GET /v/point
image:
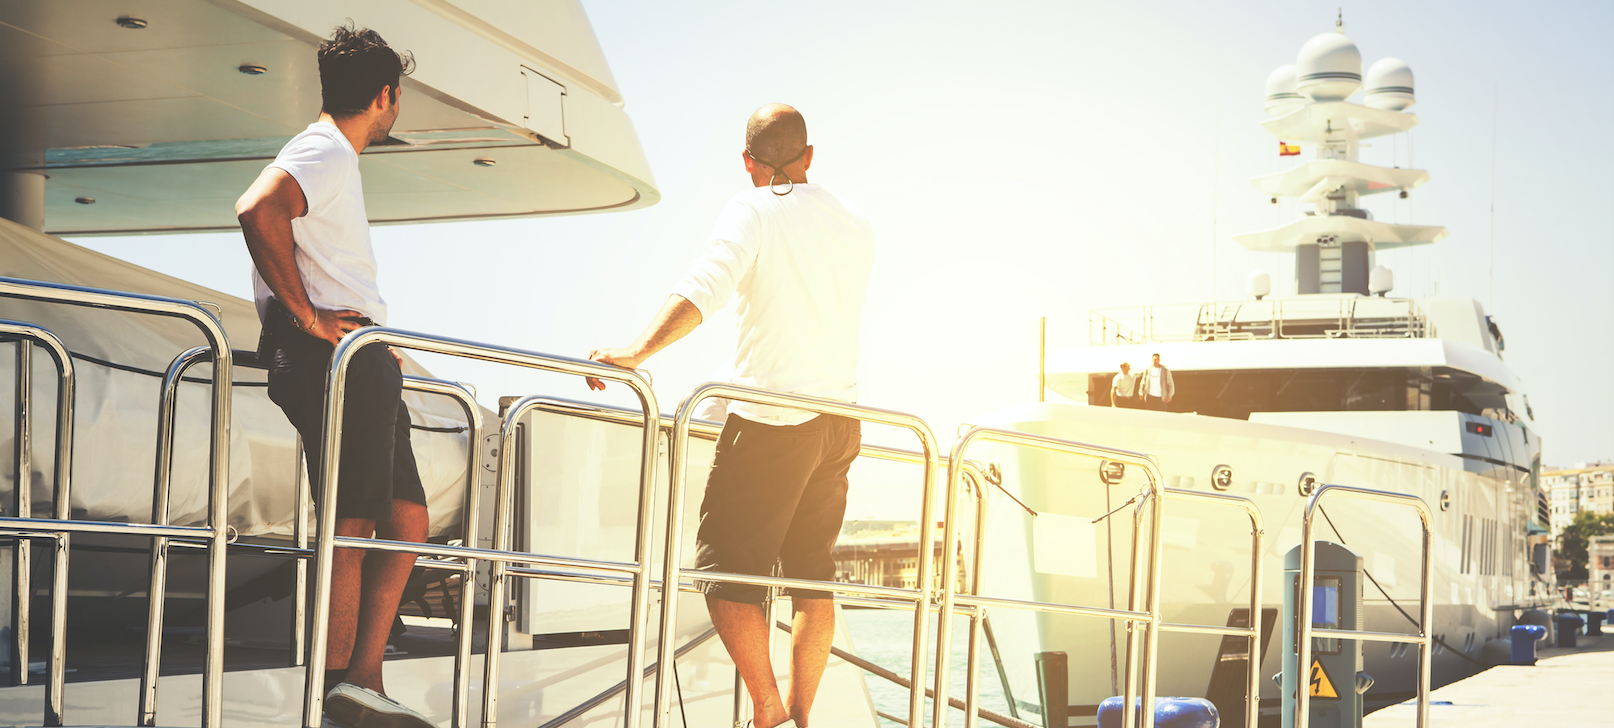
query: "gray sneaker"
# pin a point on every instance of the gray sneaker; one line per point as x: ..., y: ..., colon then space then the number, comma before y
x: 354, y: 707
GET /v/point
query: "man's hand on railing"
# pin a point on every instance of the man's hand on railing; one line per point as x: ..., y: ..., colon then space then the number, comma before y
x: 615, y: 357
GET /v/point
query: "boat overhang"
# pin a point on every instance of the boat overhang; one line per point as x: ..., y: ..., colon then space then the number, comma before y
x: 512, y: 111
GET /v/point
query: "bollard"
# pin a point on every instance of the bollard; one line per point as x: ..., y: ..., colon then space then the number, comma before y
x: 1525, y: 637
x: 1168, y: 713
x: 1569, y: 624
x: 1594, y: 623
x: 1537, y: 616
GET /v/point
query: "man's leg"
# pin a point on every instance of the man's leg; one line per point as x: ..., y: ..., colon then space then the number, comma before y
x: 807, y: 553
x: 744, y: 631
x: 346, y: 579
x: 376, y: 605
x: 811, y: 634
x: 757, y: 477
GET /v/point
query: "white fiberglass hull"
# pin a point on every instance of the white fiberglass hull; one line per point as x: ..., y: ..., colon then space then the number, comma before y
x: 1206, y: 563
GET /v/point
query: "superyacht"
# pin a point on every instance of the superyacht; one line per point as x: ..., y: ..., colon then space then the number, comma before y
x: 1341, y: 382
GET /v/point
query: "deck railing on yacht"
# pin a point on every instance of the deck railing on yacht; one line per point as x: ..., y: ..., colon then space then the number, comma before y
x: 214, y: 533
x: 1343, y: 317
x: 1306, y: 630
x: 504, y: 562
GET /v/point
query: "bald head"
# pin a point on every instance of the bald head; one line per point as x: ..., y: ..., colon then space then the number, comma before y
x: 775, y: 134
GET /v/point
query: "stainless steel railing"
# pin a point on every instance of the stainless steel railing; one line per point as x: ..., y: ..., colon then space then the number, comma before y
x: 219, y: 467
x: 886, y: 597
x: 27, y: 336
x: 500, y: 557
x: 1252, y: 633
x: 1308, y: 576
x: 1144, y: 581
x: 157, y: 592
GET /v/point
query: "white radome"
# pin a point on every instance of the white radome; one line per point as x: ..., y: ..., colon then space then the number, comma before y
x: 1329, y: 68
x: 1281, y: 95
x: 1380, y: 280
x: 1389, y: 85
x: 1260, y: 284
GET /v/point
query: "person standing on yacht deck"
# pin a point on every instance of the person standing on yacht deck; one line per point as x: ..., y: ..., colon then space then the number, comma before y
x: 1157, y: 387
x: 1122, y: 387
x: 314, y: 277
x: 798, y: 259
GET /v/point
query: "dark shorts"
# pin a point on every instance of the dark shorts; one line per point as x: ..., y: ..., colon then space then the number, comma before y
x: 776, y: 494
x: 378, y: 463
x: 1154, y: 403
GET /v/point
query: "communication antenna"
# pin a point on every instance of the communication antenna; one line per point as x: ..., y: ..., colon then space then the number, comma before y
x: 1496, y: 95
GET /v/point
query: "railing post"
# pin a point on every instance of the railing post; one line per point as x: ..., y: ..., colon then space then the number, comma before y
x: 162, y: 481
x: 22, y: 565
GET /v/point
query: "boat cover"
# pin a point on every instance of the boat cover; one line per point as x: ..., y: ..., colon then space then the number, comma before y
x: 119, y: 359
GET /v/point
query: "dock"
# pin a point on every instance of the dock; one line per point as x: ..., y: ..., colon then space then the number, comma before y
x: 1566, y: 686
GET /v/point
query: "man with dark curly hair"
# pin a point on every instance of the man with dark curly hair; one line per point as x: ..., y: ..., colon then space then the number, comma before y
x: 314, y: 277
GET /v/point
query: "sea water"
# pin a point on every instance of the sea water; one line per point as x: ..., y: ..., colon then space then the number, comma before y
x: 885, y: 638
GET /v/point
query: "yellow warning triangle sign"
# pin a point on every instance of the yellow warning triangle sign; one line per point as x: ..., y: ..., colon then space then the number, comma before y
x: 1322, y: 686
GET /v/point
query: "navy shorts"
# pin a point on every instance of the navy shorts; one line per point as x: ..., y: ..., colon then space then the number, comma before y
x: 776, y: 494
x: 378, y: 463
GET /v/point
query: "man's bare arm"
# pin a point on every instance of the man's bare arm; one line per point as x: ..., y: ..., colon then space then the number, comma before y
x: 677, y: 318
x: 265, y: 213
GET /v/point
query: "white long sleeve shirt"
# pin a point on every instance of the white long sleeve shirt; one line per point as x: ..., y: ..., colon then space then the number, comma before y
x: 799, y: 265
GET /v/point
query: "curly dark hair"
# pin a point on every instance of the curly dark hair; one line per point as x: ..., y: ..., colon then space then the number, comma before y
x: 354, y: 65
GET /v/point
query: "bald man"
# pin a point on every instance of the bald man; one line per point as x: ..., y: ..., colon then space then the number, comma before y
x: 797, y: 259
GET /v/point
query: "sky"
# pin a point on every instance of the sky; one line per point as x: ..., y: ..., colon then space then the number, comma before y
x: 1022, y: 160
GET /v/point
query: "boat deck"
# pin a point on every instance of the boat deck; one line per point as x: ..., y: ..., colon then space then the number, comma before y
x: 1567, y: 686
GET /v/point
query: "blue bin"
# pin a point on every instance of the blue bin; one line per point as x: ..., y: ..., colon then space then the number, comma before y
x: 1168, y: 713
x: 1569, y: 624
x: 1594, y: 623
x: 1524, y: 638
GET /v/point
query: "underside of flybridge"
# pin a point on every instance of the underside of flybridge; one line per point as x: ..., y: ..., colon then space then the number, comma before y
x: 145, y: 117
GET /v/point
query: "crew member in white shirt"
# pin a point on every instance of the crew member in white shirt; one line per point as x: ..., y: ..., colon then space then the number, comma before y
x: 798, y: 260
x: 1157, y: 387
x: 314, y: 275
x: 1122, y: 387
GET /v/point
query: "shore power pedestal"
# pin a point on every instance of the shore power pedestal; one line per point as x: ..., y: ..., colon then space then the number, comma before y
x: 1334, y: 679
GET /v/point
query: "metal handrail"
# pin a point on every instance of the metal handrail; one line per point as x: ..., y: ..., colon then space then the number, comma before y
x: 1308, y: 575
x: 1252, y: 709
x: 66, y: 386
x: 218, y: 478
x: 673, y: 572
x: 1147, y: 584
x: 157, y: 592
x: 500, y: 556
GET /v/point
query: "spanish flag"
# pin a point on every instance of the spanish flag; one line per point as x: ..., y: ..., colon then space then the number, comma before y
x: 1286, y: 149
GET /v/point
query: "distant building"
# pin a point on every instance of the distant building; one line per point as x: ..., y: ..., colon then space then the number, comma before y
x: 1601, y: 574
x: 1585, y: 487
x: 884, y: 553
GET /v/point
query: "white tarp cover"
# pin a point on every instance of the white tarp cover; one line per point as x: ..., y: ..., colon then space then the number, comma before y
x: 116, y: 410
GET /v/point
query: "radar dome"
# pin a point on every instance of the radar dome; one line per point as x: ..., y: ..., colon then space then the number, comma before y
x: 1329, y: 68
x: 1281, y: 95
x: 1260, y: 284
x: 1389, y: 85
x: 1380, y: 280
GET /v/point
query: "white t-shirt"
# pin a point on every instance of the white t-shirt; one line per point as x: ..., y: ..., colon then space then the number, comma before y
x: 334, y: 256
x: 1125, y: 383
x: 1155, y: 375
x: 799, y: 265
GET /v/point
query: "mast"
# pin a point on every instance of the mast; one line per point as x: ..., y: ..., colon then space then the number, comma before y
x: 1334, y: 244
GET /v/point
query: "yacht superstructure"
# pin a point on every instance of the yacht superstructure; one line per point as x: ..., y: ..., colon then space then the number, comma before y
x: 1337, y: 383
